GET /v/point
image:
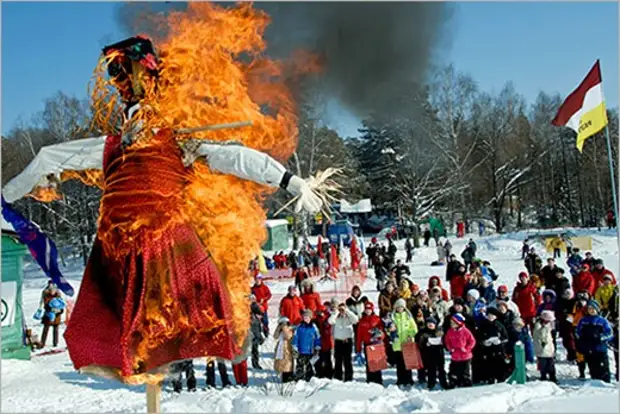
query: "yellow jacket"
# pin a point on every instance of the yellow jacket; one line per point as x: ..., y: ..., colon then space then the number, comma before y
x: 556, y: 243
x: 603, y: 294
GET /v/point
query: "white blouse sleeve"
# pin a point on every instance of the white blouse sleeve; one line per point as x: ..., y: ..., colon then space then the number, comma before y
x: 243, y: 162
x: 81, y: 154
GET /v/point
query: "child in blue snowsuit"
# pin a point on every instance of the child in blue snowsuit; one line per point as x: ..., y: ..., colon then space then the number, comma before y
x: 306, y: 343
x: 593, y: 335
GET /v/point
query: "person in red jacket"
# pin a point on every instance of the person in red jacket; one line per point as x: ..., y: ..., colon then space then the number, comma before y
x: 436, y: 281
x: 584, y: 281
x: 324, y: 367
x: 369, y: 332
x: 458, y: 282
x: 527, y: 298
x: 311, y: 299
x: 600, y: 271
x: 291, y: 306
x: 262, y: 293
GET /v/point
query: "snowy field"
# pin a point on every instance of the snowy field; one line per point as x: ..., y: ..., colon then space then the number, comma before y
x: 49, y: 383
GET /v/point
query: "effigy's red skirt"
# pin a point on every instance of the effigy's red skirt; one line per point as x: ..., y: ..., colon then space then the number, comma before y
x: 151, y: 294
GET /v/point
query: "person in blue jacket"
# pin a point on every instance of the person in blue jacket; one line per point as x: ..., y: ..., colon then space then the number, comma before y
x: 593, y: 335
x: 574, y: 262
x: 306, y: 344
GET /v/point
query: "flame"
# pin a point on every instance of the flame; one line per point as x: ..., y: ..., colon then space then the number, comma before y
x: 88, y: 177
x: 45, y: 194
x: 212, y: 71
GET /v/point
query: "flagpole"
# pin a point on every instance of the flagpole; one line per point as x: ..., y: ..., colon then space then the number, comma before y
x: 613, y: 181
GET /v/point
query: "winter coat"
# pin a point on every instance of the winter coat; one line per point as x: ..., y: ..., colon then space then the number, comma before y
x: 489, y: 330
x: 584, y: 281
x: 406, y: 328
x: 603, y: 295
x: 474, y: 248
x: 547, y: 273
x: 559, y: 286
x: 312, y: 301
x: 343, y: 324
x: 307, y: 339
x: 431, y: 352
x: 441, y: 252
x: 401, y: 271
x: 356, y: 305
x: 452, y: 269
x: 551, y: 306
x: 286, y: 363
x: 478, y: 311
x: 488, y: 293
x: 543, y: 340
x: 326, y: 331
x: 386, y: 302
x: 256, y: 324
x: 468, y: 255
x: 263, y: 295
x: 444, y: 293
x: 369, y: 331
x: 292, y: 307
x: 440, y: 309
x: 527, y: 299
x: 52, y: 315
x: 460, y: 343
x: 457, y: 285
x: 593, y: 334
x: 599, y: 274
x: 574, y: 263
x: 533, y: 264
x: 508, y: 320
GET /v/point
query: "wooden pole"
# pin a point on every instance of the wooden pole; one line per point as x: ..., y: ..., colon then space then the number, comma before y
x: 213, y: 127
x: 153, y: 398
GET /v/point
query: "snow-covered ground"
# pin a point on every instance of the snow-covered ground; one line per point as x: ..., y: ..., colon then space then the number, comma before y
x: 49, y: 383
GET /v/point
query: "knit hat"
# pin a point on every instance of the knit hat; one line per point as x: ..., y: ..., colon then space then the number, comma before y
x: 549, y: 292
x: 283, y: 319
x: 431, y: 319
x: 586, y: 267
x: 473, y: 293
x: 547, y: 315
x: 292, y: 288
x: 598, y: 262
x: 458, y: 301
x: 523, y: 275
x: 607, y: 276
x: 459, y: 319
x: 400, y: 303
x: 594, y: 304
x: 369, y: 305
x: 307, y: 312
x: 559, y: 270
x: 502, y: 288
x: 494, y: 311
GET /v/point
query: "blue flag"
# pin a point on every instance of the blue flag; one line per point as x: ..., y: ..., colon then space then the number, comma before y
x: 41, y: 247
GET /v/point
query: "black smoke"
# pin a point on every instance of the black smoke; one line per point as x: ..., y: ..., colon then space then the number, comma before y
x: 367, y: 49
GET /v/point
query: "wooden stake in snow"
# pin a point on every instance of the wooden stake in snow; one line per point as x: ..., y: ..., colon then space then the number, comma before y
x: 153, y: 398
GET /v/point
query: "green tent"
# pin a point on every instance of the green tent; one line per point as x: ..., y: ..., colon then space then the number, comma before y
x: 434, y: 223
x: 277, y: 235
x: 13, y: 253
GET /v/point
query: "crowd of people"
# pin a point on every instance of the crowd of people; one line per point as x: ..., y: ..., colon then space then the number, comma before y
x: 474, y: 319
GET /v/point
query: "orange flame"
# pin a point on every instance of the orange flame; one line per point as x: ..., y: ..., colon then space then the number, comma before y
x: 45, y: 194
x: 212, y: 72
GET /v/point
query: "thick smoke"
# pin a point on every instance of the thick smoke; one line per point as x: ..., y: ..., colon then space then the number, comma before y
x: 368, y: 50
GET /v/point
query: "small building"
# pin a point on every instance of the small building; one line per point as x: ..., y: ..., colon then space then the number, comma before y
x: 277, y: 235
x: 13, y: 253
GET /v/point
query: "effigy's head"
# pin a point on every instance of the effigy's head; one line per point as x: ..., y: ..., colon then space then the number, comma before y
x: 129, y: 63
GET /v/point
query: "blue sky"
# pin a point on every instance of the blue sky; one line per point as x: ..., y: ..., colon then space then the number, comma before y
x: 547, y: 46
